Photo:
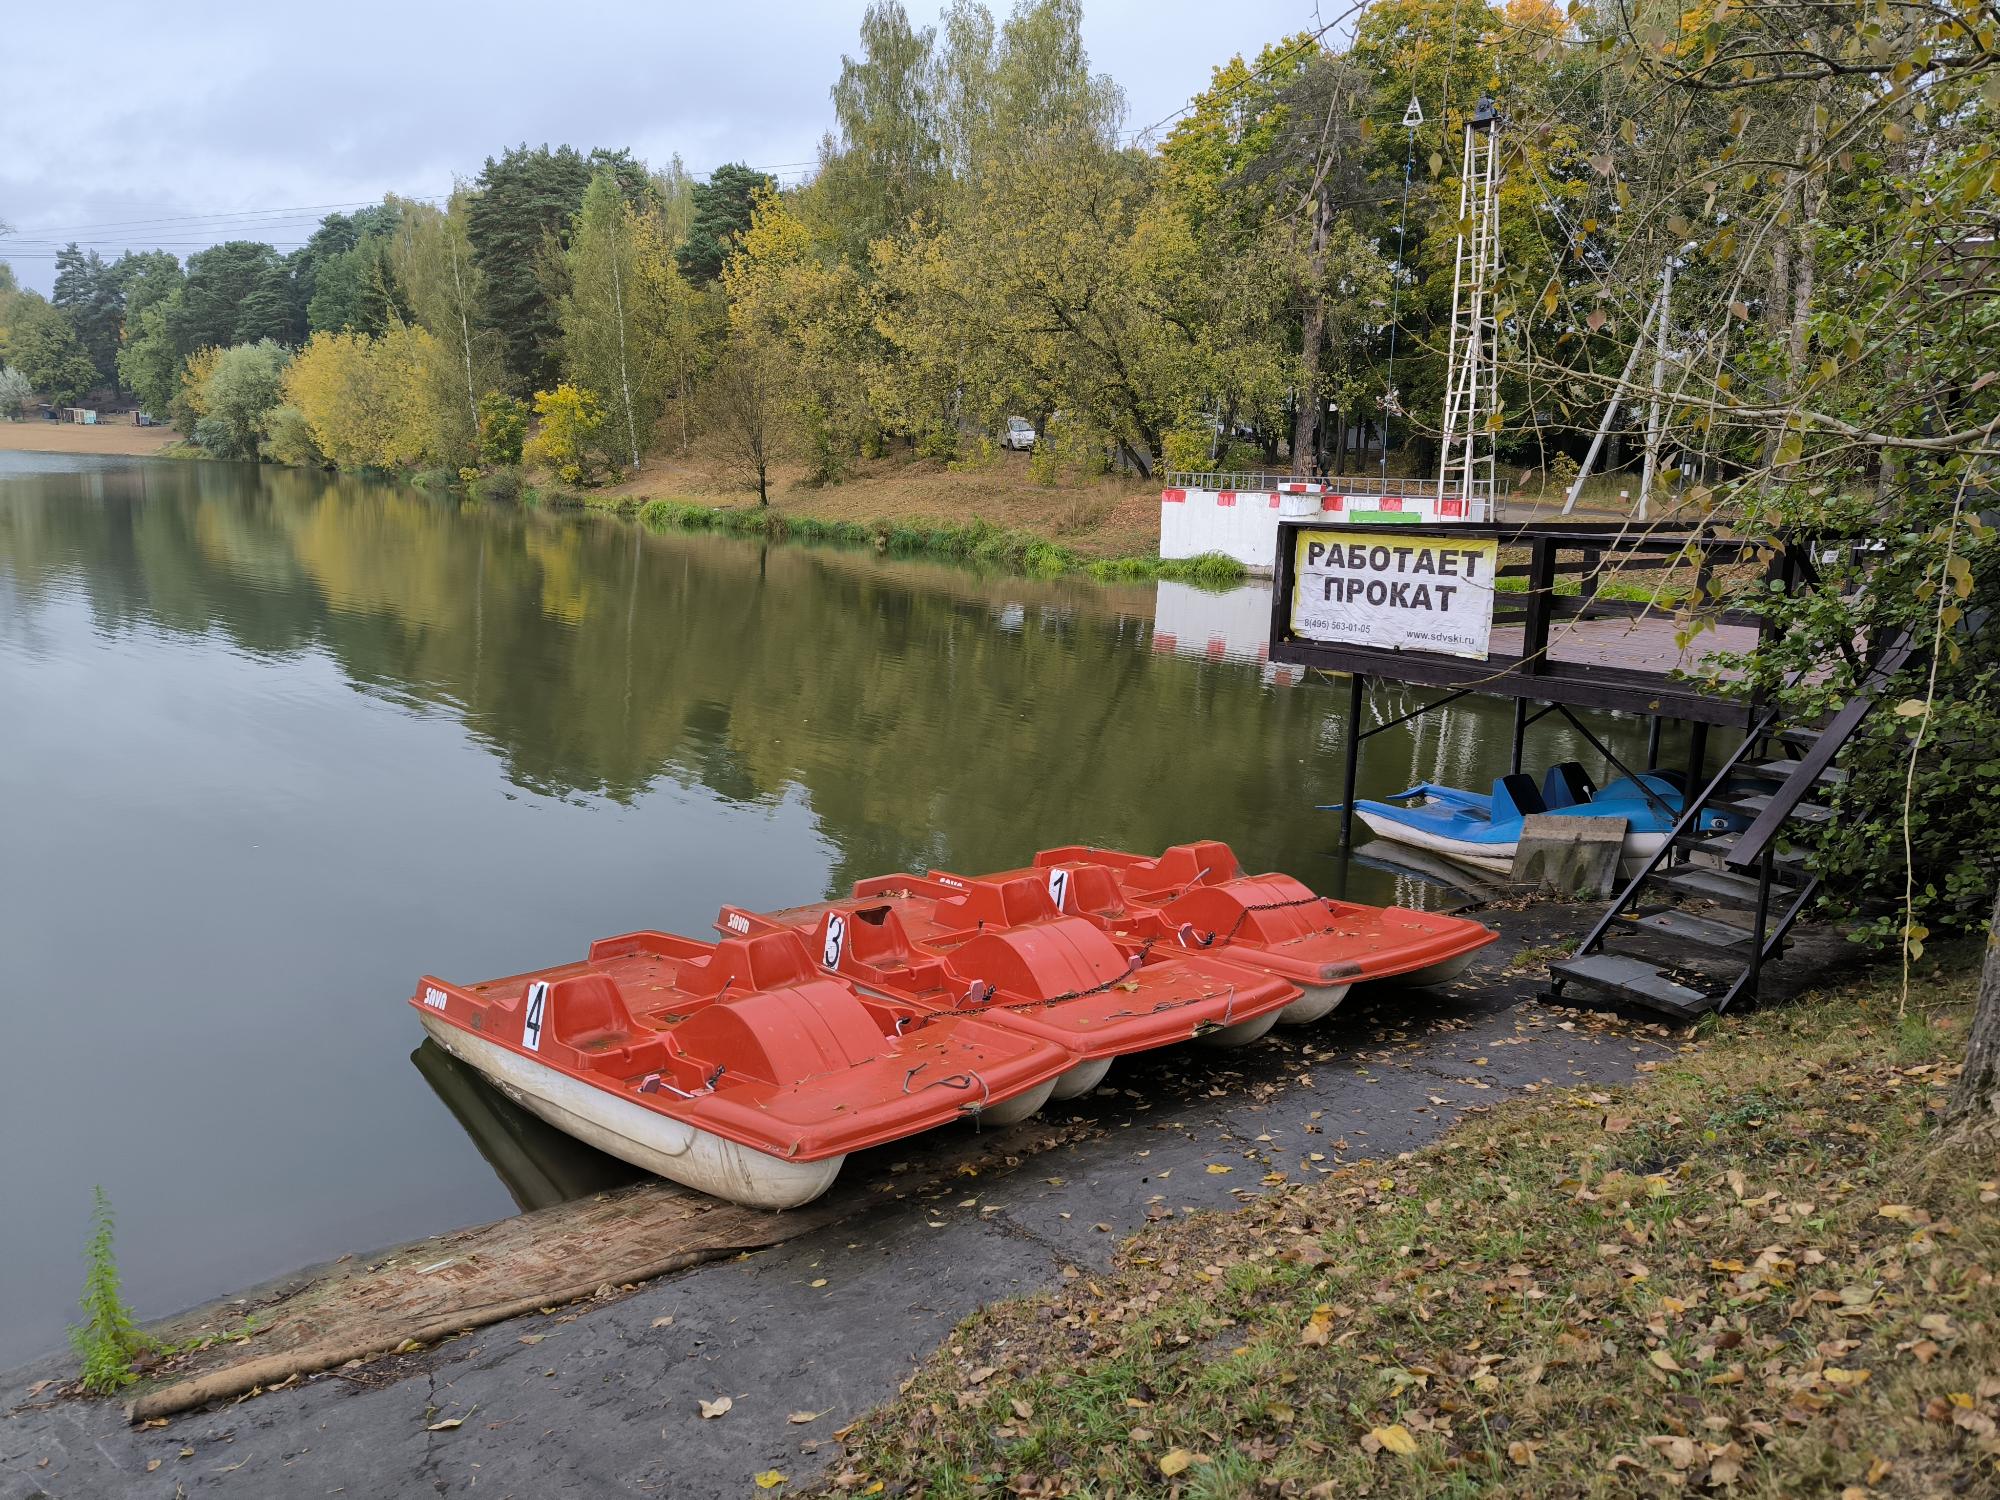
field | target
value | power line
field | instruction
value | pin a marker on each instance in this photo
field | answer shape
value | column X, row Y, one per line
column 1310, row 41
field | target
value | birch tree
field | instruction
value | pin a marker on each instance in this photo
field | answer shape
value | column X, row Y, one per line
column 434, row 263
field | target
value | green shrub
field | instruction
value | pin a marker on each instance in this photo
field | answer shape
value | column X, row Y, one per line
column 502, row 484
column 503, row 428
column 682, row 515
column 1210, row 570
column 107, row 1341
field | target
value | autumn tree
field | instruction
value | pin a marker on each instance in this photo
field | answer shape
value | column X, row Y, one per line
column 368, row 401
column 435, row 267
column 612, row 325
column 240, row 389
column 743, row 409
column 790, row 291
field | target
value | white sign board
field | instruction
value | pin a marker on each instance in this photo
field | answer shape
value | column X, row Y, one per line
column 1401, row 593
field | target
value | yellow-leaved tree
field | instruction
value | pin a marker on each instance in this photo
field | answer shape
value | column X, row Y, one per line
column 566, row 444
column 368, row 402
column 789, row 290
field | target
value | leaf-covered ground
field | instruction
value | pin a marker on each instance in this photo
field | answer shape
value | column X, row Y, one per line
column 1759, row 1272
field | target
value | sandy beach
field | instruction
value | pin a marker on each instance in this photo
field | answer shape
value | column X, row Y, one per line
column 121, row 437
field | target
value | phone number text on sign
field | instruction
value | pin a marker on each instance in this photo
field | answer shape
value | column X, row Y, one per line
column 1406, row 594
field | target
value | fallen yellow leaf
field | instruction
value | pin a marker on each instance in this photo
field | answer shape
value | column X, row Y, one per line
column 715, row 1408
column 1216, row 1169
column 1665, row 1361
column 446, row 1425
column 1174, row 1460
column 770, row 1479
column 1395, row 1437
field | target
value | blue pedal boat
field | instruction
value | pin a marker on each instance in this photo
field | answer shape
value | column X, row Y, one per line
column 1484, row 831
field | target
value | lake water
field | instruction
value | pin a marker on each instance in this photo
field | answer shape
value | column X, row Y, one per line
column 272, row 744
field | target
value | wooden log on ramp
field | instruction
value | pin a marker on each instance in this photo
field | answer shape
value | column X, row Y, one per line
column 362, row 1308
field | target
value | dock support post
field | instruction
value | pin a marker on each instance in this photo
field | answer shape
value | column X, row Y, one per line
column 1653, row 742
column 1520, row 735
column 1355, row 684
column 1697, row 757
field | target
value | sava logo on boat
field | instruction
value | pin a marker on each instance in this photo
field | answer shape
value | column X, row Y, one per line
column 433, row 997
column 1058, row 886
column 737, row 922
column 836, row 940
column 531, row 1024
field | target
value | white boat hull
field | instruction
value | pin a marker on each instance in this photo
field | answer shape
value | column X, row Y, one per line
column 1013, row 1111
column 1318, row 1000
column 1436, row 973
column 1080, row 1079
column 651, row 1141
column 1639, row 847
column 1239, row 1033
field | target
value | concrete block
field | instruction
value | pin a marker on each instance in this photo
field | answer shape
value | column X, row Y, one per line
column 1570, row 856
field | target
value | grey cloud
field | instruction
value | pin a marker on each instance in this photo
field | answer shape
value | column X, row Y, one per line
column 231, row 106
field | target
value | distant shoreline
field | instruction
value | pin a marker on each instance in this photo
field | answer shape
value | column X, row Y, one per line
column 114, row 438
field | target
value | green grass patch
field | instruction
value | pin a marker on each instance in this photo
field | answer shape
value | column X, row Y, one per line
column 976, row 543
column 1668, row 595
column 1214, row 570
column 1760, row 1271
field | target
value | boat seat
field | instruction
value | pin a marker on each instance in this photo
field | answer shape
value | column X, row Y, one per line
column 1007, row 903
column 876, row 937
column 1208, row 862
column 587, row 1012
column 1567, row 784
column 1515, row 794
column 1092, row 890
column 762, row 961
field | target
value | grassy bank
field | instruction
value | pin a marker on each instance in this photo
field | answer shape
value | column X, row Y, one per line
column 976, row 541
column 1757, row 1272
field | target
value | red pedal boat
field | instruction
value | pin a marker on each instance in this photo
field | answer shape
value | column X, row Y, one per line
column 999, row 948
column 737, row 1068
column 1197, row 898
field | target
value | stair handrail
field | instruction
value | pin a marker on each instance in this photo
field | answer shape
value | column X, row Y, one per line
column 1690, row 815
column 1764, row 828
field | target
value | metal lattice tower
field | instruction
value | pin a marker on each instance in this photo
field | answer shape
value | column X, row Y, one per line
column 1472, row 373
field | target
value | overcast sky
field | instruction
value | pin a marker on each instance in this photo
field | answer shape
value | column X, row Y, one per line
column 131, row 126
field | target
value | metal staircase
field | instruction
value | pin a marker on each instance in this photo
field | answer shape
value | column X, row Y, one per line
column 1692, row 931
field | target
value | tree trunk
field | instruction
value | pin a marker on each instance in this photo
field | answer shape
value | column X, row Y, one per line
column 1311, row 335
column 1977, row 1097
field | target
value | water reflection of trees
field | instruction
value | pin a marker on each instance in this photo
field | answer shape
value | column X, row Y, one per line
column 927, row 715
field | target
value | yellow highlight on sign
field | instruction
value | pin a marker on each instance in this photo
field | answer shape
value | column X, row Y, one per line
column 1395, row 593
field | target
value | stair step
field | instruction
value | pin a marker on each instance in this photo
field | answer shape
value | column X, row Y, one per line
column 1805, row 812
column 1685, row 926
column 1721, row 885
column 1805, row 737
column 1636, row 980
column 1782, row 770
column 1722, row 845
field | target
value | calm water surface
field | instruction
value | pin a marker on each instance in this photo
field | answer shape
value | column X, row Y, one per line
column 273, row 744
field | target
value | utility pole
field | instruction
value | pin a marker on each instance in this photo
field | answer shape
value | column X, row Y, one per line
column 1651, row 467
column 1392, row 401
